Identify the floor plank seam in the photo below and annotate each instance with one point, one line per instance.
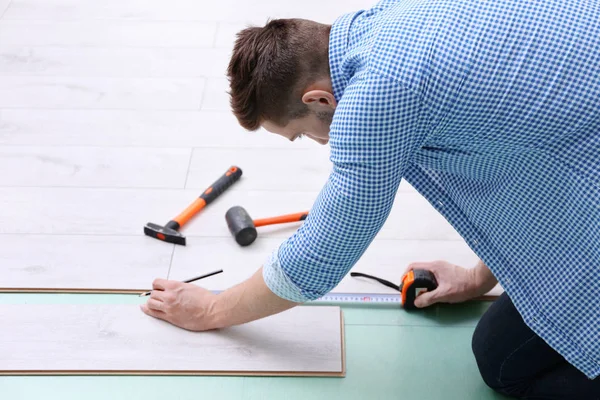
(110, 46)
(119, 78)
(196, 236)
(85, 19)
(5, 9)
(215, 39)
(150, 188)
(143, 110)
(171, 262)
(205, 88)
(157, 109)
(133, 146)
(411, 325)
(105, 19)
(189, 167)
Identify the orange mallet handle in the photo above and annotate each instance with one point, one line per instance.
(283, 219)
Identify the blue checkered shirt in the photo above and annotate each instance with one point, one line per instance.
(490, 110)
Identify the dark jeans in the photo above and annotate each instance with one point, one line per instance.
(516, 362)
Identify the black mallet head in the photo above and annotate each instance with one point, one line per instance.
(167, 233)
(243, 228)
(241, 225)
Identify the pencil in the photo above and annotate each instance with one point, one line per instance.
(190, 280)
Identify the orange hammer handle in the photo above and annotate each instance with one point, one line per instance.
(190, 211)
(230, 176)
(283, 219)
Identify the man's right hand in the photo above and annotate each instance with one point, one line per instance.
(455, 284)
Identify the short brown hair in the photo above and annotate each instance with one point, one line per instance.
(271, 65)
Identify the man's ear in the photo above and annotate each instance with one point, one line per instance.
(319, 99)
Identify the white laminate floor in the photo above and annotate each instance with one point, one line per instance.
(115, 113)
(119, 339)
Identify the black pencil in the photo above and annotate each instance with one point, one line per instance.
(191, 280)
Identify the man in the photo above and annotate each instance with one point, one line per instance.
(491, 110)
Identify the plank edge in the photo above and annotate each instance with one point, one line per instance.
(335, 374)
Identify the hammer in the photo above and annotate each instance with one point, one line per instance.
(169, 233)
(243, 228)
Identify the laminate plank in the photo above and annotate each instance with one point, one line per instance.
(94, 167)
(112, 62)
(302, 169)
(180, 10)
(384, 258)
(3, 6)
(71, 262)
(86, 93)
(238, 263)
(294, 169)
(227, 31)
(39, 127)
(216, 97)
(107, 33)
(62, 211)
(120, 339)
(126, 211)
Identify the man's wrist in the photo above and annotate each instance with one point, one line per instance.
(245, 302)
(483, 279)
(216, 317)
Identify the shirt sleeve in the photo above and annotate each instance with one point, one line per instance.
(370, 137)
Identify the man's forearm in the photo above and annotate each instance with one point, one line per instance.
(246, 302)
(484, 279)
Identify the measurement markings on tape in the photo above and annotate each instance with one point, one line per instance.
(359, 298)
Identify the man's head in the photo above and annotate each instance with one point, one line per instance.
(279, 79)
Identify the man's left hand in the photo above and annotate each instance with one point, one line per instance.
(182, 304)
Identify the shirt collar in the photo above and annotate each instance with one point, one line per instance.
(338, 42)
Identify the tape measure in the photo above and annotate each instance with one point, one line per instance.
(413, 283)
(360, 298)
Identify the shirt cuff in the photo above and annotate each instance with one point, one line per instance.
(278, 282)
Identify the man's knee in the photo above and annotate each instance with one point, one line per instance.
(490, 364)
(487, 364)
(491, 353)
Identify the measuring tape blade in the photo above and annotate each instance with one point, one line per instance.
(359, 298)
(353, 298)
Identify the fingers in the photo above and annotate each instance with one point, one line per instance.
(152, 312)
(428, 265)
(158, 295)
(155, 305)
(162, 284)
(425, 299)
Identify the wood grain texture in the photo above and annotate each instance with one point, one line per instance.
(112, 62)
(160, 128)
(125, 211)
(72, 263)
(94, 167)
(107, 33)
(120, 339)
(111, 93)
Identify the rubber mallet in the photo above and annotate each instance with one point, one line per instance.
(170, 232)
(243, 228)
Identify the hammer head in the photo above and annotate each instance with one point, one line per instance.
(166, 233)
(241, 225)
